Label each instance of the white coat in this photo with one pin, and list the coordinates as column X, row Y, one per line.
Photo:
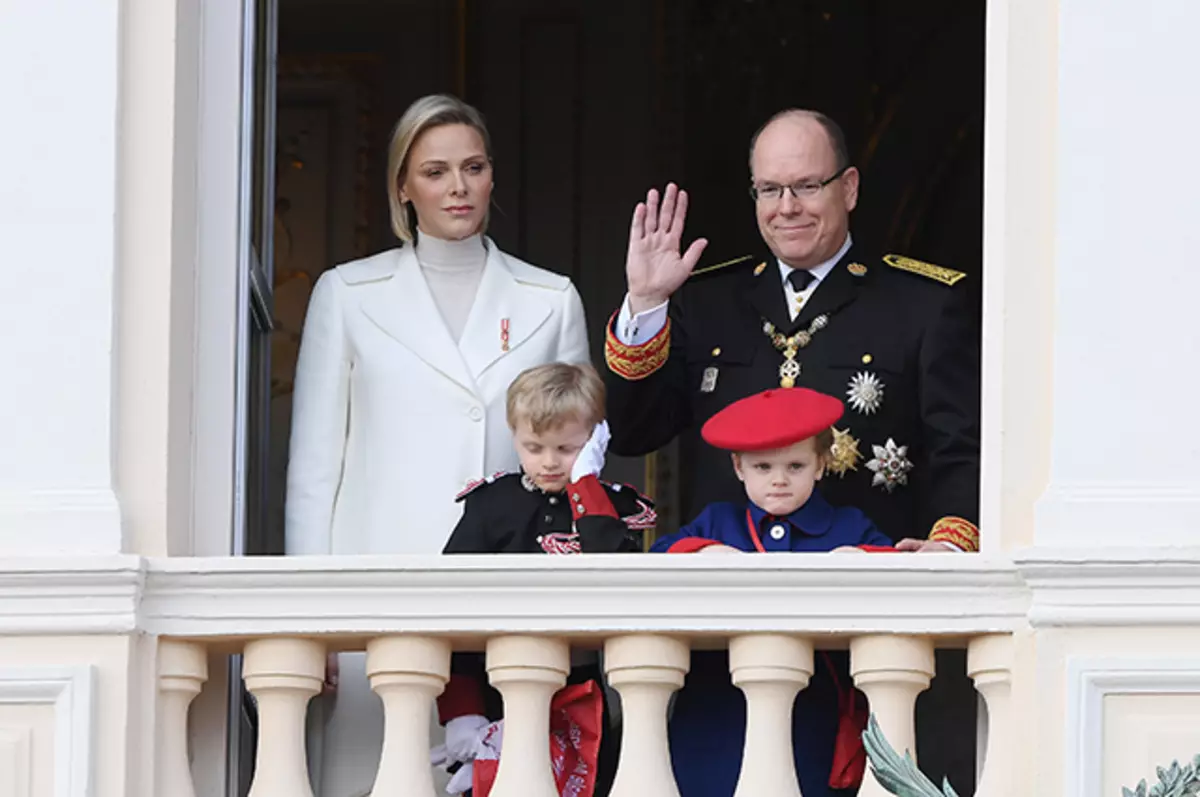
column 391, row 419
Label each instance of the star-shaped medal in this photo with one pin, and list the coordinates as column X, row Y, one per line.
column 890, row 465
column 843, row 455
column 865, row 393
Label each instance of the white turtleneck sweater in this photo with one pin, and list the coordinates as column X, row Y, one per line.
column 453, row 270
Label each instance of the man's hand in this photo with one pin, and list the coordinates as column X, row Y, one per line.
column 591, row 457
column 654, row 268
column 925, row 546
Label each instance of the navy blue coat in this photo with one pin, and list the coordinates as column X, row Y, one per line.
column 708, row 723
column 816, row 526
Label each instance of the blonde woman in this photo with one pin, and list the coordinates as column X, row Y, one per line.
column 400, row 385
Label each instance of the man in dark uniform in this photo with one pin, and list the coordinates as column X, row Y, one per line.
column 893, row 336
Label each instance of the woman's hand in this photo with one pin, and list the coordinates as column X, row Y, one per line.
column 654, row 268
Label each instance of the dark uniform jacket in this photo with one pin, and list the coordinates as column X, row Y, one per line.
column 900, row 335
column 508, row 514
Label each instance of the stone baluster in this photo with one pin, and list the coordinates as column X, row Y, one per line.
column 182, row 671
column 407, row 672
column 527, row 671
column 646, row 670
column 283, row 674
column 770, row 669
column 989, row 663
column 892, row 670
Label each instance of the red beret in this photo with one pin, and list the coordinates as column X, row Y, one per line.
column 772, row 419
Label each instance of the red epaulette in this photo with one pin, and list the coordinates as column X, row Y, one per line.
column 646, row 517
column 473, row 485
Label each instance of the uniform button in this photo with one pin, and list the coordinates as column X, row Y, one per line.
column 579, row 508
column 553, row 500
column 866, row 358
column 777, row 532
column 539, row 539
column 716, row 352
column 575, row 496
column 475, row 414
column 548, row 519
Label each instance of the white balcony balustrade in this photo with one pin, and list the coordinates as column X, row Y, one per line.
column 644, row 613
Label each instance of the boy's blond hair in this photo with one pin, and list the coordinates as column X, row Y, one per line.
column 550, row 395
column 823, row 443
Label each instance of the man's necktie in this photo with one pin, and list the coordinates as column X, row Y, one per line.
column 800, row 279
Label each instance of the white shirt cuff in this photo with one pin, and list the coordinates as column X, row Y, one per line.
column 635, row 330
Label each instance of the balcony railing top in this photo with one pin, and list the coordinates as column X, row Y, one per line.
column 840, row 594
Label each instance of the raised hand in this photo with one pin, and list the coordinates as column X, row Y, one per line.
column 590, row 460
column 654, row 268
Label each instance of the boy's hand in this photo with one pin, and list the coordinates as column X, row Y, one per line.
column 848, row 549
column 591, row 457
column 719, row 549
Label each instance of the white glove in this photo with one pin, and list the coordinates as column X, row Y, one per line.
column 463, row 735
column 591, row 457
column 461, row 780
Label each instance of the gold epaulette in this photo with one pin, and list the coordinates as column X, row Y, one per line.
column 719, row 266
column 946, row 276
column 956, row 531
column 636, row 362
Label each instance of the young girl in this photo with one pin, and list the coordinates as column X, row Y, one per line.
column 780, row 442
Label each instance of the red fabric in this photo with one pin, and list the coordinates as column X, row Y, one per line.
column 849, row 754
column 576, row 720
column 589, row 499
column 692, row 544
column 878, row 549
column 772, row 419
column 463, row 695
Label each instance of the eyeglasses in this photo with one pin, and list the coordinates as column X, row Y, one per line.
column 805, row 189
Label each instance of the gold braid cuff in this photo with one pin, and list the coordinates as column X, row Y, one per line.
column 636, row 362
column 957, row 531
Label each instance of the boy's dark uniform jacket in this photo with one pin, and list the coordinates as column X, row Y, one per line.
column 505, row 513
column 901, row 337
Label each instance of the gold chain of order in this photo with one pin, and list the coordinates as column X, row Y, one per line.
column 791, row 345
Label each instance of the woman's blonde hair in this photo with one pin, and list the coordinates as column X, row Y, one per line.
column 425, row 114
column 550, row 395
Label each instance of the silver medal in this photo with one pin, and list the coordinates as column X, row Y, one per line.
column 709, row 382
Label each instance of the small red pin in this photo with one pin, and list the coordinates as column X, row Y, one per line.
column 503, row 334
